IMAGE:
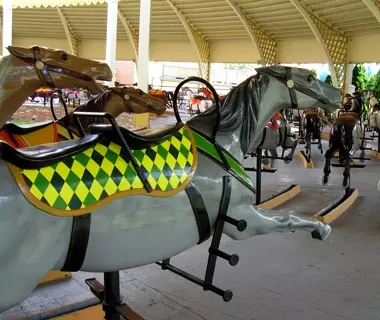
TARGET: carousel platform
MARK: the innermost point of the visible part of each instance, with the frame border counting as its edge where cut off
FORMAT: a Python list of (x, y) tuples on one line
[(279, 276)]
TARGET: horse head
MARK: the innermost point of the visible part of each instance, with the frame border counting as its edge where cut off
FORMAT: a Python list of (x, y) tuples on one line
[(137, 101), (59, 69), (305, 90)]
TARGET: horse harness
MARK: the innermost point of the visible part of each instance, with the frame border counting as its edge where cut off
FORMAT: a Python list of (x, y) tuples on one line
[(43, 69)]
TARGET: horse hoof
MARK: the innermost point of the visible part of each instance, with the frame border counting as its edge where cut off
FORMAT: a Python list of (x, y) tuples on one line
[(325, 180), (346, 182), (322, 232)]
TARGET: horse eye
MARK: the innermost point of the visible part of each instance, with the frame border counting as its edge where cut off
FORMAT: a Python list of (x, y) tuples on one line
[(64, 57), (310, 78)]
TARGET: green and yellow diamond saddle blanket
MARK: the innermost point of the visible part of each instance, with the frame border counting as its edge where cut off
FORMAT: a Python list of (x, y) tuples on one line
[(98, 174)]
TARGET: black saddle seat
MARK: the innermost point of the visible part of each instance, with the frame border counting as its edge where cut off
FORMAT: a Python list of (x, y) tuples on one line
[(15, 129), (45, 154), (145, 138)]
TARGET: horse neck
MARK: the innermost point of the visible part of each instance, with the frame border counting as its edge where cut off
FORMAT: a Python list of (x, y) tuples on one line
[(15, 87)]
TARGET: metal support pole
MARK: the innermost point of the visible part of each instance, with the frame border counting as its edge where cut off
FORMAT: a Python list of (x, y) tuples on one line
[(144, 37), (258, 175), (7, 25), (111, 295), (111, 36)]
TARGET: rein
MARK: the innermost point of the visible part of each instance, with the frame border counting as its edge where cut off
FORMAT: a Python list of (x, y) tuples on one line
[(43, 68)]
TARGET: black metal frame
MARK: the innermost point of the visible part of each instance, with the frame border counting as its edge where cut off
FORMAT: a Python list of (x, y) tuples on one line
[(214, 251), (58, 94)]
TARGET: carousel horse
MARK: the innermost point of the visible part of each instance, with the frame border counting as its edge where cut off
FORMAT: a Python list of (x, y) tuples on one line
[(202, 100), (373, 113), (346, 136), (115, 200), (27, 69), (277, 133), (167, 96), (313, 121), (114, 101)]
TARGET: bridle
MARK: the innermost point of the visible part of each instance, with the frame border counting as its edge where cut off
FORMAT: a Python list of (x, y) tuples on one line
[(128, 97), (43, 69), (294, 86)]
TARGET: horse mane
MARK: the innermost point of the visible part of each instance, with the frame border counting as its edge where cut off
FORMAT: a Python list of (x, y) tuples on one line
[(240, 108), (96, 104)]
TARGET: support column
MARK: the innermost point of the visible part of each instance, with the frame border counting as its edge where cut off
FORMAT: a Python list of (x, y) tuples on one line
[(348, 79), (7, 25), (144, 39), (111, 36)]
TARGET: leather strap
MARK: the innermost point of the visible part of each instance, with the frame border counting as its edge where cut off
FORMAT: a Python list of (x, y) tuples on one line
[(43, 68), (80, 233), (292, 92), (200, 211)]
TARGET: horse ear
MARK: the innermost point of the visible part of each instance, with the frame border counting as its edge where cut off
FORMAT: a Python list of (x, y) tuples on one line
[(20, 51)]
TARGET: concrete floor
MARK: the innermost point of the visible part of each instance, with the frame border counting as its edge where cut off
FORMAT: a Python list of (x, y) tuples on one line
[(279, 276)]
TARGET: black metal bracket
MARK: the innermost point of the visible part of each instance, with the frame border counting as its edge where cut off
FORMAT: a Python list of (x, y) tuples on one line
[(124, 143), (214, 251)]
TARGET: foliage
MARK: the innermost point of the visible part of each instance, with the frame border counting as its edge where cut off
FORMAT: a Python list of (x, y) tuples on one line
[(237, 66), (374, 84), (328, 79), (314, 73), (359, 77)]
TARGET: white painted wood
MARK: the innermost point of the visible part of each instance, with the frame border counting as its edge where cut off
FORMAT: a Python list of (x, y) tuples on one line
[(144, 41), (112, 9), (7, 25)]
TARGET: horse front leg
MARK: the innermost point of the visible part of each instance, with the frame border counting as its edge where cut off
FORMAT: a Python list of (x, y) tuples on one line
[(263, 221), (327, 168)]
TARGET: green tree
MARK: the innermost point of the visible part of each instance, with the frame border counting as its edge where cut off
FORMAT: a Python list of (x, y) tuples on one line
[(359, 77), (314, 73), (328, 79), (374, 84)]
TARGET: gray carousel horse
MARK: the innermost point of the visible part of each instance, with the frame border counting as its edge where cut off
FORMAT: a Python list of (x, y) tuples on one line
[(87, 204)]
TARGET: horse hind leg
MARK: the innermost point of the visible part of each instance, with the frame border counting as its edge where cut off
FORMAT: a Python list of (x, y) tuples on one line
[(262, 221)]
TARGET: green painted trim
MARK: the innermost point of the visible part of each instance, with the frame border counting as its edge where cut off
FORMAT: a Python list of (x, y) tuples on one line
[(203, 144)]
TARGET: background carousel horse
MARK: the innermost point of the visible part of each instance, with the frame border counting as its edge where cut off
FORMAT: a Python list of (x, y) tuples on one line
[(346, 136), (114, 101), (44, 93), (313, 122), (27, 69), (129, 220), (277, 133), (167, 96)]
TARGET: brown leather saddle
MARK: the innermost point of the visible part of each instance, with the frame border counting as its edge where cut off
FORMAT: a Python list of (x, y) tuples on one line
[(311, 114), (347, 118)]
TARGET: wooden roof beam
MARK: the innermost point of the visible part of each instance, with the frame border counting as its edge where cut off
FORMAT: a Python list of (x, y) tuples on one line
[(333, 43), (199, 42), (131, 33), (69, 33), (265, 45)]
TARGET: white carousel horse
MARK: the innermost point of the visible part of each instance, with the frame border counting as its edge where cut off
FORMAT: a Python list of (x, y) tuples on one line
[(79, 205), (277, 133)]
